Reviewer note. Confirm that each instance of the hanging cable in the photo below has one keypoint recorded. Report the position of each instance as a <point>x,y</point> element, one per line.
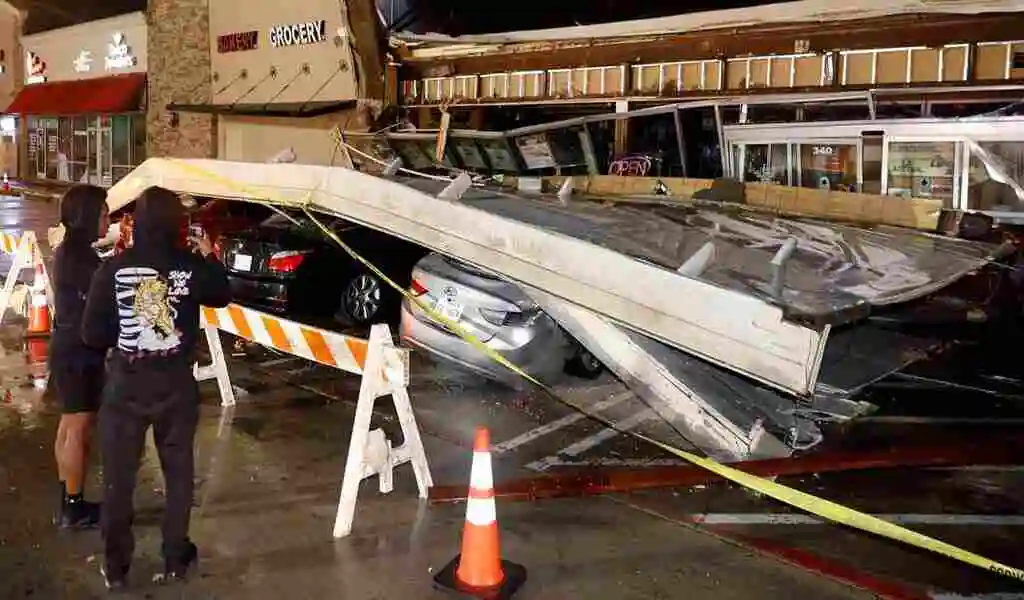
<point>271,73</point>
<point>240,75</point>
<point>304,69</point>
<point>323,85</point>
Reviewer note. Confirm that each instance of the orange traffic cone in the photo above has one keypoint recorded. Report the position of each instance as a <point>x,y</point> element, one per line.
<point>39,311</point>
<point>478,571</point>
<point>37,355</point>
<point>7,184</point>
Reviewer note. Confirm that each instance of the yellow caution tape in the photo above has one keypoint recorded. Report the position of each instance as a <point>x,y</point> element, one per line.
<point>818,506</point>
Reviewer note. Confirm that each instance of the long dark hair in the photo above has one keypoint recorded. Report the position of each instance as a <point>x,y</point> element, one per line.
<point>80,209</point>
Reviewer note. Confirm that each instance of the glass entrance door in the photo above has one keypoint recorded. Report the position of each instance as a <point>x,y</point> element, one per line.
<point>98,157</point>
<point>103,155</point>
<point>39,159</point>
<point>92,160</point>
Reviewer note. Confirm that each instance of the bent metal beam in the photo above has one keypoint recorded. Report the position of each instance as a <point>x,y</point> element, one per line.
<point>728,328</point>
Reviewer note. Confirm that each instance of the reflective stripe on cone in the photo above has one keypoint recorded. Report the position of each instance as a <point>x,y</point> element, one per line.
<point>478,571</point>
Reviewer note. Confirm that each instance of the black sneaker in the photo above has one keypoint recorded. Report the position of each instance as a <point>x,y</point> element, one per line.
<point>114,582</point>
<point>79,514</point>
<point>176,568</point>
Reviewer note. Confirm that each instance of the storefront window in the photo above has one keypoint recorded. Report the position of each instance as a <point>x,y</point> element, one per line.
<point>763,163</point>
<point>500,157</point>
<point>412,155</point>
<point>79,148</point>
<point>52,137</point>
<point>138,139</point>
<point>120,146</point>
<point>469,154</point>
<point>994,167</point>
<point>85,149</point>
<point>829,166</point>
<point>922,170</point>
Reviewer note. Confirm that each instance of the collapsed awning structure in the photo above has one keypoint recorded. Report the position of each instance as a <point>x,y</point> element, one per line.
<point>724,326</point>
<point>717,320</point>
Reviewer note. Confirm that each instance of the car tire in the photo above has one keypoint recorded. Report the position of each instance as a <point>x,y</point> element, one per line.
<point>584,364</point>
<point>363,300</point>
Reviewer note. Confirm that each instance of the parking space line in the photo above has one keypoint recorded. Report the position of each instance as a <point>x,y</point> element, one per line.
<point>554,426</point>
<point>901,420</point>
<point>900,519</point>
<point>277,361</point>
<point>591,441</point>
<point>617,462</point>
<point>993,596</point>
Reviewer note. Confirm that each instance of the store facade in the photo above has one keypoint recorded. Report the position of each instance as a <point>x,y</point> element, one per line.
<point>10,82</point>
<point>968,164</point>
<point>82,105</point>
<point>282,79</point>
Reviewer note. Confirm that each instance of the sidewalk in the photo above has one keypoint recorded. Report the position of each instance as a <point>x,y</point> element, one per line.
<point>49,191</point>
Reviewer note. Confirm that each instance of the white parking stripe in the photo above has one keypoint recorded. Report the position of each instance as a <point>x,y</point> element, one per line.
<point>277,361</point>
<point>591,441</point>
<point>900,519</point>
<point>618,462</point>
<point>995,596</point>
<point>553,426</point>
<point>991,468</point>
<point>898,420</point>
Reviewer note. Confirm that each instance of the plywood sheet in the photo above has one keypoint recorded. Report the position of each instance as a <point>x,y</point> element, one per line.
<point>991,62</point>
<point>858,68</point>
<point>782,72</point>
<point>808,71</point>
<point>758,73</point>
<point>559,83</point>
<point>692,76</point>
<point>891,67</point>
<point>713,73</point>
<point>736,74</point>
<point>924,65</point>
<point>954,61</point>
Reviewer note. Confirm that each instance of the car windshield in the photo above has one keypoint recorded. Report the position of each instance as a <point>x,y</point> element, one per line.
<point>288,218</point>
<point>470,268</point>
<point>279,220</point>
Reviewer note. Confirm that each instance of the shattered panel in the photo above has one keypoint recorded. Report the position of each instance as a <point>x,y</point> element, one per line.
<point>834,274</point>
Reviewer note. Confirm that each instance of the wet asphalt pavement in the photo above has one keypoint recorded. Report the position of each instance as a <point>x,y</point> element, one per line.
<point>269,470</point>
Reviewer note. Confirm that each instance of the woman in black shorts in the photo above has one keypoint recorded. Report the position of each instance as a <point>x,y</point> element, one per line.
<point>76,370</point>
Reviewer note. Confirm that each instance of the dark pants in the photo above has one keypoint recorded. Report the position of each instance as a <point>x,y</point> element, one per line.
<point>137,396</point>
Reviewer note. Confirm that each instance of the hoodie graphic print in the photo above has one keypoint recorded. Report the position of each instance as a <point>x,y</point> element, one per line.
<point>146,308</point>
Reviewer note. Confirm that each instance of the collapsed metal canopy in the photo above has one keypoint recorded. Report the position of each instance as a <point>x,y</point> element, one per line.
<point>732,315</point>
<point>725,327</point>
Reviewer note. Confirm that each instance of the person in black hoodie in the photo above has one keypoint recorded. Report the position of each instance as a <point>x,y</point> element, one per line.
<point>144,305</point>
<point>76,369</point>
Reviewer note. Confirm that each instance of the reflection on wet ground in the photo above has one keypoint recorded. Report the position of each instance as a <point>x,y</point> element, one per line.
<point>268,478</point>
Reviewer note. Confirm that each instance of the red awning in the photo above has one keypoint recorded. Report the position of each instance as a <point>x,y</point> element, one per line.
<point>98,96</point>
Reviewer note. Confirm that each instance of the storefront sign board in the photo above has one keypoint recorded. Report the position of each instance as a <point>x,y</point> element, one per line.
<point>35,68</point>
<point>119,54</point>
<point>238,42</point>
<point>83,63</point>
<point>298,34</point>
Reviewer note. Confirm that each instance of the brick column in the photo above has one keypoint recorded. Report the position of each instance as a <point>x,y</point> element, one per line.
<point>179,71</point>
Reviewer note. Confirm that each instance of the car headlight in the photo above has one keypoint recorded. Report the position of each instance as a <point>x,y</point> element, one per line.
<point>509,318</point>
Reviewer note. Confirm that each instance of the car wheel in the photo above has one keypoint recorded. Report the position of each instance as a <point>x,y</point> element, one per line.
<point>361,300</point>
<point>584,364</point>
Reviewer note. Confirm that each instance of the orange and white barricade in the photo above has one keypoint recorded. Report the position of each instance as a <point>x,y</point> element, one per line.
<point>384,369</point>
<point>26,255</point>
<point>9,242</point>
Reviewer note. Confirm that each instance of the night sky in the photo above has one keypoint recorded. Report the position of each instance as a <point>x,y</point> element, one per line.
<point>463,17</point>
<point>44,15</point>
<point>453,17</point>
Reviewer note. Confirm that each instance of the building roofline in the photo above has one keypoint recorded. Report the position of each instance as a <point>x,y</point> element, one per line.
<point>768,14</point>
<point>42,35</point>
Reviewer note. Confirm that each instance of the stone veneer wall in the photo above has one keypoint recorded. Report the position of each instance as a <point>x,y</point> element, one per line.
<point>179,71</point>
